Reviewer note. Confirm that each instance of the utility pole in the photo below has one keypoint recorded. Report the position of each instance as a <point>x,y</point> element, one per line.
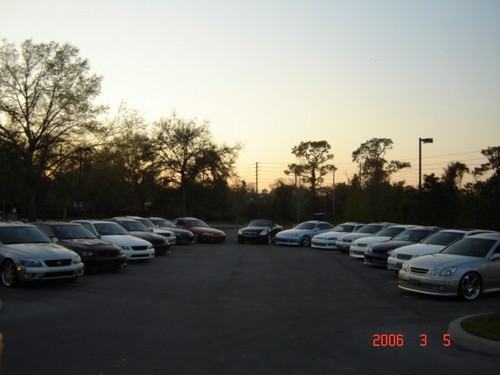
<point>257,178</point>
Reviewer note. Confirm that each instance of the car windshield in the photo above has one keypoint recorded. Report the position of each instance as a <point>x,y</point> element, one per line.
<point>259,223</point>
<point>66,232</point>
<point>412,235</point>
<point>197,223</point>
<point>110,229</point>
<point>443,238</point>
<point>163,223</point>
<point>473,247</point>
<point>22,234</point>
<point>344,228</point>
<point>306,226</point>
<point>133,226</point>
<point>390,231</point>
<point>370,228</point>
<point>147,223</point>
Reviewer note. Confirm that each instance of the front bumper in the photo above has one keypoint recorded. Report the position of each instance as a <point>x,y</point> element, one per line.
<point>72,271</point>
<point>323,244</point>
<point>357,252</point>
<point>427,284</point>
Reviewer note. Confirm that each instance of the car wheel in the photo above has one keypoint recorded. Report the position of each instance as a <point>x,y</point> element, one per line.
<point>469,287</point>
<point>269,240</point>
<point>306,241</point>
<point>8,273</point>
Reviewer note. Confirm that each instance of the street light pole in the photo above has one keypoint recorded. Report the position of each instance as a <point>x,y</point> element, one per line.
<point>420,141</point>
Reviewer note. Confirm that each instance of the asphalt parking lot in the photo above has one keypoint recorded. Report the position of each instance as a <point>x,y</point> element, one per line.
<point>236,309</point>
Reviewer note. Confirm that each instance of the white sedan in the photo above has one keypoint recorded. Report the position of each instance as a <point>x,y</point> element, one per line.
<point>328,239</point>
<point>359,246</point>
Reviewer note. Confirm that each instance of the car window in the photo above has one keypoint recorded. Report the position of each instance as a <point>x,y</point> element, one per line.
<point>323,226</point>
<point>72,232</point>
<point>412,235</point>
<point>390,231</point>
<point>475,247</point>
<point>370,228</point>
<point>22,234</point>
<point>443,238</point>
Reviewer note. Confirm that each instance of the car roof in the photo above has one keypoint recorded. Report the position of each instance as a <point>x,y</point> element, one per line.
<point>95,221</point>
<point>54,223</point>
<point>489,236</point>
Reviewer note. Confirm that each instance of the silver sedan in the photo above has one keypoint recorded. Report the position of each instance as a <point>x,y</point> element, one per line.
<point>27,254</point>
<point>466,268</point>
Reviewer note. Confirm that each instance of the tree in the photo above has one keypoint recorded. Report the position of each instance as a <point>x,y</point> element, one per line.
<point>46,109</point>
<point>186,154</point>
<point>374,169</point>
<point>313,156</point>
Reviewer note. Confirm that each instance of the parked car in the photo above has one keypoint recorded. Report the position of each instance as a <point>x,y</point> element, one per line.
<point>260,231</point>
<point>95,253</point>
<point>359,246</point>
<point>201,230</point>
<point>27,254</point>
<point>167,233</point>
<point>344,242</point>
<point>467,268</point>
<point>377,254</point>
<point>431,245</point>
<point>134,247</point>
<point>301,234</point>
<point>182,236</point>
<point>136,228</point>
<point>327,240</point>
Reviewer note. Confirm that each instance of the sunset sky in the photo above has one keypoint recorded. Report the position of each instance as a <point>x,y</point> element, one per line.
<point>270,74</point>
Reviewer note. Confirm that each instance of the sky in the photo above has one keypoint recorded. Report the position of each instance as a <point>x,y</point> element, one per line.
<point>269,74</point>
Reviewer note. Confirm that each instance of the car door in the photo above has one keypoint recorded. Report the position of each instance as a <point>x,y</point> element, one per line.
<point>491,274</point>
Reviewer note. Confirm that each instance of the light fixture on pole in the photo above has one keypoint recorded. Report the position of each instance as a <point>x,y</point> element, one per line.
<point>420,141</point>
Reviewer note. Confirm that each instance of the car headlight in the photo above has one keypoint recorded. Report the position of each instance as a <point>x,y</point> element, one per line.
<point>240,231</point>
<point>445,272</point>
<point>405,267</point>
<point>392,254</point>
<point>86,253</point>
<point>31,263</point>
<point>263,233</point>
<point>77,260</point>
<point>126,247</point>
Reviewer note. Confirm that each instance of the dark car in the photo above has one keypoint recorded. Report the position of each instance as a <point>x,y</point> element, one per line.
<point>260,231</point>
<point>201,230</point>
<point>377,254</point>
<point>95,253</point>
<point>182,236</point>
<point>138,229</point>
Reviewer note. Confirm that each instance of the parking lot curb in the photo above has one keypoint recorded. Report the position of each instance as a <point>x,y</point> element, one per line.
<point>471,342</point>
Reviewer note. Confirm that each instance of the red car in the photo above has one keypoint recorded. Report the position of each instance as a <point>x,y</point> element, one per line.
<point>201,230</point>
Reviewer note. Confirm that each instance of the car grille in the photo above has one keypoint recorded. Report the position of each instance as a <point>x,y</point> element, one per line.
<point>139,248</point>
<point>419,270</point>
<point>106,254</point>
<point>250,234</point>
<point>404,256</point>
<point>58,262</point>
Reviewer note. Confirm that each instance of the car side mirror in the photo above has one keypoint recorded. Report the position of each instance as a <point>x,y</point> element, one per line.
<point>495,256</point>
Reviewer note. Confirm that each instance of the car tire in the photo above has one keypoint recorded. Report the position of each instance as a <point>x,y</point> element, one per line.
<point>8,273</point>
<point>470,286</point>
<point>305,241</point>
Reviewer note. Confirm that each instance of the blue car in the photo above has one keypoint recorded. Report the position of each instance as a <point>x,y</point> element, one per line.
<point>301,235</point>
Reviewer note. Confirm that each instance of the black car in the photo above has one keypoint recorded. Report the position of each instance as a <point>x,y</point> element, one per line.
<point>377,254</point>
<point>95,253</point>
<point>183,236</point>
<point>138,229</point>
<point>259,231</point>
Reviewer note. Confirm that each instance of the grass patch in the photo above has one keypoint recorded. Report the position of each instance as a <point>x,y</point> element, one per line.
<point>486,326</point>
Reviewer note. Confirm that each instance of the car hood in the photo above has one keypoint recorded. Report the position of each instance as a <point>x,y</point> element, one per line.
<point>354,236</point>
<point>125,240</point>
<point>331,234</point>
<point>45,250</point>
<point>443,260</point>
<point>371,240</point>
<point>420,249</point>
<point>389,245</point>
<point>87,244</point>
<point>256,229</point>
<point>148,236</point>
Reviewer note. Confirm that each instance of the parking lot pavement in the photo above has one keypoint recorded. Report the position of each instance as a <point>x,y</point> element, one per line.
<point>235,309</point>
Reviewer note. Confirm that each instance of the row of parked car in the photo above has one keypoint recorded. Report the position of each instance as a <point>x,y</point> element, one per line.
<point>63,250</point>
<point>427,259</point>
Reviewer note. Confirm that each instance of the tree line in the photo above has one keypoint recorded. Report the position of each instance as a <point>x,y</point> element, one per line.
<point>63,156</point>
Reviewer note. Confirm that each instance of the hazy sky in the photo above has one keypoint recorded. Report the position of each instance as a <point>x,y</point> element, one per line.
<point>273,73</point>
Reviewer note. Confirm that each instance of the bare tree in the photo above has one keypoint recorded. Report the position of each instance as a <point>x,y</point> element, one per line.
<point>46,106</point>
